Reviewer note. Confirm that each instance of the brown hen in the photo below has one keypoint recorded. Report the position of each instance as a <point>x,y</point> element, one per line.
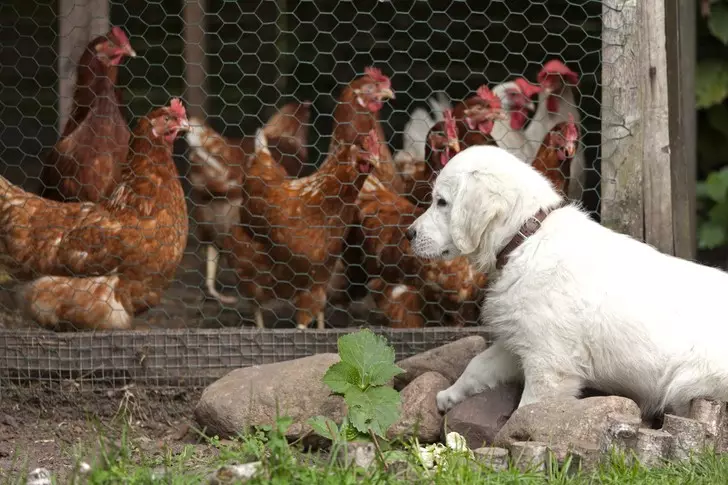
<point>217,171</point>
<point>85,164</point>
<point>356,114</point>
<point>292,232</point>
<point>556,153</point>
<point>96,265</point>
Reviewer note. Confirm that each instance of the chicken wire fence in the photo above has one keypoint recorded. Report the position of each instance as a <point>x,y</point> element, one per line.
<point>270,79</point>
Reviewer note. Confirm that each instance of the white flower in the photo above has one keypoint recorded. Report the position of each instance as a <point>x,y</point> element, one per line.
<point>430,454</point>
<point>455,441</point>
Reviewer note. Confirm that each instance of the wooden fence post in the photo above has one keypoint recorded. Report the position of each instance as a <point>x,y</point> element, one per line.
<point>79,21</point>
<point>681,56</point>
<point>647,182</point>
<point>622,200</point>
<point>196,95</point>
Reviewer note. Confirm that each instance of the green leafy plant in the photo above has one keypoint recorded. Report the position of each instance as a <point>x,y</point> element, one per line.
<point>711,93</point>
<point>713,191</point>
<point>362,377</point>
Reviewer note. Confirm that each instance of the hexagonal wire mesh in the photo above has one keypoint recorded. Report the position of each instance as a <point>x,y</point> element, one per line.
<point>245,61</point>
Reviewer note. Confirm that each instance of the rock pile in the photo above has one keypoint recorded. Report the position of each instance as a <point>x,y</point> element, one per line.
<point>584,430</point>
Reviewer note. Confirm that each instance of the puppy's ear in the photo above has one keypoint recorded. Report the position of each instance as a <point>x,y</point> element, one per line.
<point>468,216</point>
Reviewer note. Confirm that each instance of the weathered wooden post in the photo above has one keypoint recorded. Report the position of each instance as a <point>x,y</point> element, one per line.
<point>79,21</point>
<point>648,155</point>
<point>195,59</point>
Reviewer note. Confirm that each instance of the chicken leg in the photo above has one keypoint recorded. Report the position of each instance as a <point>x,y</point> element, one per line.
<point>212,260</point>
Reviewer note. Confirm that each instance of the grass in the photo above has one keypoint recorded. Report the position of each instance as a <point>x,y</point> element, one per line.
<point>284,463</point>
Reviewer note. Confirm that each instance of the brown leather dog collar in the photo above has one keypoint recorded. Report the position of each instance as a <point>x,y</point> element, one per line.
<point>527,230</point>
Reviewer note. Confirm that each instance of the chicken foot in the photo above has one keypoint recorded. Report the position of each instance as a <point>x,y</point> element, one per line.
<point>259,322</point>
<point>212,258</point>
<point>311,304</point>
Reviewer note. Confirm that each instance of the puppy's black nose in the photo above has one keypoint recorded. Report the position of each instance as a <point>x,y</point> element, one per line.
<point>411,234</point>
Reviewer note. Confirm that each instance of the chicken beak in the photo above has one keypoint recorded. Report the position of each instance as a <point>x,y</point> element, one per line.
<point>183,125</point>
<point>129,52</point>
<point>570,149</point>
<point>531,106</point>
<point>500,115</point>
<point>454,144</point>
<point>386,93</point>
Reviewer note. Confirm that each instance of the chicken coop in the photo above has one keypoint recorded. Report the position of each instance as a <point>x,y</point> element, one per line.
<point>248,73</point>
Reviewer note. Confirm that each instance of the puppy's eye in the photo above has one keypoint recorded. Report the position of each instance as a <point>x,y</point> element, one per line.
<point>441,202</point>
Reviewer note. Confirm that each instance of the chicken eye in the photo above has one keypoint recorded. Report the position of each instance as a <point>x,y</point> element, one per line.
<point>166,118</point>
<point>441,202</point>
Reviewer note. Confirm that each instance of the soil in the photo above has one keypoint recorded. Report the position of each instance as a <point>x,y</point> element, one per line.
<point>55,430</point>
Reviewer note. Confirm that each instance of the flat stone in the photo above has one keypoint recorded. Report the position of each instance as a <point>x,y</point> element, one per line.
<point>255,396</point>
<point>561,423</point>
<point>448,360</point>
<point>420,416</point>
<point>480,417</point>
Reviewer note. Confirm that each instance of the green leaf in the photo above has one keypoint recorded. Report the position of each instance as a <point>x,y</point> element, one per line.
<point>711,235</point>
<point>325,427</point>
<point>718,22</point>
<point>352,434</point>
<point>711,82</point>
<point>370,355</point>
<point>718,214</point>
<point>701,190</point>
<point>341,376</point>
<point>377,409</point>
<point>716,185</point>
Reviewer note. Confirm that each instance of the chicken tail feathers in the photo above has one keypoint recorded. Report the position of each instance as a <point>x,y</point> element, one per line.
<point>439,105</point>
<point>415,135</point>
<point>261,142</point>
<point>204,148</point>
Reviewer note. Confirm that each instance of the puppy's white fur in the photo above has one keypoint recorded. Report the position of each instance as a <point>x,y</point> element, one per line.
<point>576,305</point>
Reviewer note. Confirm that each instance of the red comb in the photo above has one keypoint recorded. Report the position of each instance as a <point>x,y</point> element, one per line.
<point>526,87</point>
<point>487,95</point>
<point>377,75</point>
<point>571,133</point>
<point>175,106</point>
<point>556,67</point>
<point>121,38</point>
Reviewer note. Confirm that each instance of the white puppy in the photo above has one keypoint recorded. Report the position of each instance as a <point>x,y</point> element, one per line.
<point>575,304</point>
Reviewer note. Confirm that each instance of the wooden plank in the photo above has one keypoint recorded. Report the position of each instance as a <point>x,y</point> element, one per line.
<point>622,202</point>
<point>169,358</point>
<point>681,55</point>
<point>78,22</point>
<point>195,96</point>
<point>652,70</point>
<point>285,45</point>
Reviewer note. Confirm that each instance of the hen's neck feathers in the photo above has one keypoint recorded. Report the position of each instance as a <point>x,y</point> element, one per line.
<point>144,148</point>
<point>95,90</point>
<point>352,120</point>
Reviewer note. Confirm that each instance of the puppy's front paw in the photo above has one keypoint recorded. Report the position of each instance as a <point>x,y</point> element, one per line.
<point>447,399</point>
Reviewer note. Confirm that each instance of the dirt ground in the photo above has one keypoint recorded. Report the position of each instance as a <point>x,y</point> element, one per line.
<point>39,428</point>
